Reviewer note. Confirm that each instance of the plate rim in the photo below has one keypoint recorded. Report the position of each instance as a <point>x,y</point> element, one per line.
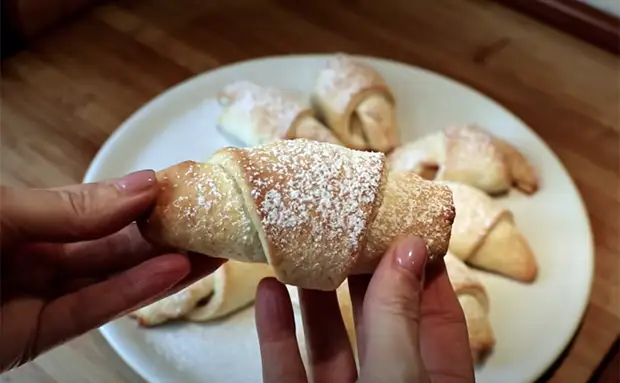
<point>161,98</point>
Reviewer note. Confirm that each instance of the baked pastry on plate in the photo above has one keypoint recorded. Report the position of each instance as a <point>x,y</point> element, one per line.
<point>317,212</point>
<point>467,154</point>
<point>230,288</point>
<point>474,301</point>
<point>357,104</point>
<point>255,115</point>
<point>485,235</point>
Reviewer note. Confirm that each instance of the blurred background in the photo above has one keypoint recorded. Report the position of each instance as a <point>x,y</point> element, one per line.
<point>74,70</point>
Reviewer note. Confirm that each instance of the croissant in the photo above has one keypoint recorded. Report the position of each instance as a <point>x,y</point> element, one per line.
<point>175,306</point>
<point>474,302</point>
<point>316,212</point>
<point>230,288</point>
<point>467,154</point>
<point>357,104</point>
<point>255,115</point>
<point>485,235</point>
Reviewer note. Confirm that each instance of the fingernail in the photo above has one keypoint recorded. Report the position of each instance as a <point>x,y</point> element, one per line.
<point>411,254</point>
<point>137,182</point>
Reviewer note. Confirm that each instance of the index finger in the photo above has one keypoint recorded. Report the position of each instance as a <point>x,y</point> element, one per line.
<point>275,324</point>
<point>74,213</point>
<point>444,341</point>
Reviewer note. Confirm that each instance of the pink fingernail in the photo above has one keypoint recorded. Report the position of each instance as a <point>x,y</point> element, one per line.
<point>137,182</point>
<point>411,254</point>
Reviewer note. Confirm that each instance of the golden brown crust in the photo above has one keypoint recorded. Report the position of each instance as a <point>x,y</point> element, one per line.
<point>470,155</point>
<point>314,203</point>
<point>474,301</point>
<point>484,235</point>
<point>357,104</point>
<point>476,215</point>
<point>307,208</point>
<point>524,175</point>
<point>175,306</point>
<point>411,206</point>
<point>256,114</point>
<point>507,251</point>
<point>473,158</point>
<point>228,289</point>
<point>199,209</point>
<point>308,127</point>
<point>234,288</point>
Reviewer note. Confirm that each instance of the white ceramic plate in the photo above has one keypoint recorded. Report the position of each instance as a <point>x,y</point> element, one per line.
<point>532,323</point>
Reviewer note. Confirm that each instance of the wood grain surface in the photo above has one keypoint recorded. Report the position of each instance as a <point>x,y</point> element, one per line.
<point>63,97</point>
<point>575,17</point>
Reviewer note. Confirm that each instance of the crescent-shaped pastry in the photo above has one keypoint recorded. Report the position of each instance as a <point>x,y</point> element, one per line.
<point>175,306</point>
<point>467,154</point>
<point>316,212</point>
<point>357,104</point>
<point>255,115</point>
<point>234,287</point>
<point>230,288</point>
<point>474,302</point>
<point>484,234</point>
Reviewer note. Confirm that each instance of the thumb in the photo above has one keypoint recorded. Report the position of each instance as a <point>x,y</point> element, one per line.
<point>77,212</point>
<point>392,315</point>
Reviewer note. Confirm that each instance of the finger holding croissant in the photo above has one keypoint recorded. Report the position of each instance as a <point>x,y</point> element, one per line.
<point>472,297</point>
<point>316,212</point>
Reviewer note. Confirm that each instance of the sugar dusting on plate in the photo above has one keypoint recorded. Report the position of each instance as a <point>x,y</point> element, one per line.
<point>192,349</point>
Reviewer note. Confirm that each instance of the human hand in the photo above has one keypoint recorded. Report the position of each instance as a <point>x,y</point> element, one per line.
<point>408,329</point>
<point>72,259</point>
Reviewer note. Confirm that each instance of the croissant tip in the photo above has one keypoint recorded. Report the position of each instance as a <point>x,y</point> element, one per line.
<point>525,271</point>
<point>529,275</point>
<point>139,319</point>
<point>144,323</point>
<point>481,353</point>
<point>526,187</point>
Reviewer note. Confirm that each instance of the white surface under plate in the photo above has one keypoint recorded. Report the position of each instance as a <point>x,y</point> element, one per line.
<point>533,323</point>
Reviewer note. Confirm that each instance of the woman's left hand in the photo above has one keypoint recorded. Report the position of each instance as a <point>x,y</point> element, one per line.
<point>72,259</point>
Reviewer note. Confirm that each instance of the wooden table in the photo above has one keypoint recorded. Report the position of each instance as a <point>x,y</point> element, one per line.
<point>64,96</point>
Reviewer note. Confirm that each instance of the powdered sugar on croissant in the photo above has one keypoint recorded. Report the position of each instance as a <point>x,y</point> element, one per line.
<point>357,104</point>
<point>256,114</point>
<point>467,154</point>
<point>307,208</point>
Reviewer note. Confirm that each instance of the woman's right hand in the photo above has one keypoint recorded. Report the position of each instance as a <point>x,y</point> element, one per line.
<point>408,328</point>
